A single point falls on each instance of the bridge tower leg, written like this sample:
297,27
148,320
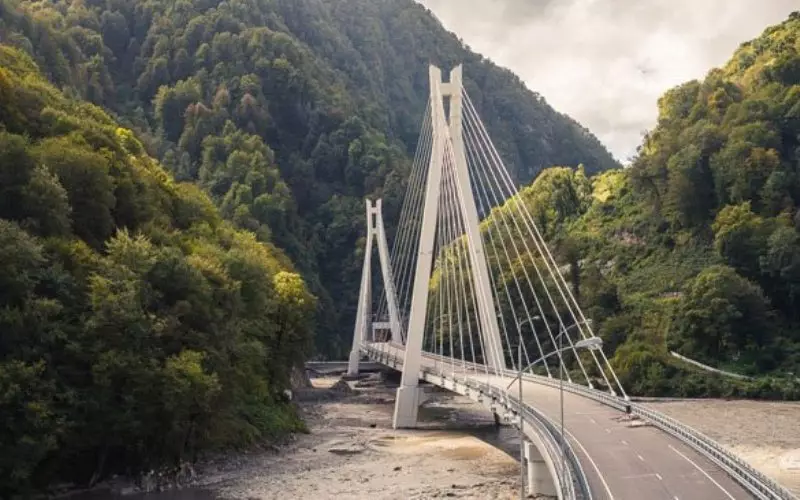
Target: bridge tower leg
445,132
492,343
363,324
386,271
408,397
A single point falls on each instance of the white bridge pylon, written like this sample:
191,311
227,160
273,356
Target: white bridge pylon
447,138
476,295
363,327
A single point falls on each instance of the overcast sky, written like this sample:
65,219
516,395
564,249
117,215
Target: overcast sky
606,62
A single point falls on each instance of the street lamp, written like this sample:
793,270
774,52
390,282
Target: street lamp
562,331
592,344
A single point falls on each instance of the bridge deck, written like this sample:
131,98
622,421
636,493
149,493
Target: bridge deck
621,462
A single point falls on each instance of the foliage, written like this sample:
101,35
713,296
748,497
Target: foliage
694,248
289,112
137,328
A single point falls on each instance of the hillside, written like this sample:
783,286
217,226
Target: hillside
137,326
695,248
288,112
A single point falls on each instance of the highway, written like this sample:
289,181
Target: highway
621,462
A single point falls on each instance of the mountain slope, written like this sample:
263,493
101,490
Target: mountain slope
696,247
138,328
288,112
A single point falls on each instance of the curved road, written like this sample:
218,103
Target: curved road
621,462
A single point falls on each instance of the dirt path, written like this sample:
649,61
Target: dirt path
353,453
765,434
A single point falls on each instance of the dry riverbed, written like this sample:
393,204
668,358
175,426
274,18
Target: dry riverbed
765,434
353,453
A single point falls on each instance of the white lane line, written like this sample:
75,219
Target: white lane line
676,498
704,472
591,460
608,431
639,476
659,476
640,458
624,442
593,420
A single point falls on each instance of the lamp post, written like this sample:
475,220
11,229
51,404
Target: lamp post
591,343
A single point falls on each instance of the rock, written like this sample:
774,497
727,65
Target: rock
341,387
352,449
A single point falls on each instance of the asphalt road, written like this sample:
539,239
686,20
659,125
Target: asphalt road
621,462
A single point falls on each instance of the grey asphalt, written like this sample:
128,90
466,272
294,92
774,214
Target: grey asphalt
622,462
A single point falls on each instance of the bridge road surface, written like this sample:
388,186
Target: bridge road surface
620,462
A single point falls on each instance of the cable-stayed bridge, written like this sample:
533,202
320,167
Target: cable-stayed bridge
474,301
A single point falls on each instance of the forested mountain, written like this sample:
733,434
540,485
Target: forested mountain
288,112
136,325
695,248
149,310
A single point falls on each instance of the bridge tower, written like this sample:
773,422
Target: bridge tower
363,326
447,134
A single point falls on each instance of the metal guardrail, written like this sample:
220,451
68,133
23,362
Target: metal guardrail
707,368
577,486
753,480
756,482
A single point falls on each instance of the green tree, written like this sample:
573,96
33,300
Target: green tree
722,317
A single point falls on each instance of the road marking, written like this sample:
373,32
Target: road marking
704,472
591,460
593,420
608,431
624,442
639,476
659,476
676,498
640,458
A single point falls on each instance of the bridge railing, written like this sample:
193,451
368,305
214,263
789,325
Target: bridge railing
573,478
753,480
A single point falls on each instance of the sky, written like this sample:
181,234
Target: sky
606,62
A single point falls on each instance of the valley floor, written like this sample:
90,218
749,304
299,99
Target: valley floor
765,434
353,453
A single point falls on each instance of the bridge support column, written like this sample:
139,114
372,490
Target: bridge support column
407,403
363,312
363,330
539,481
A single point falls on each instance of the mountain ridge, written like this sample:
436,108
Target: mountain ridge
334,94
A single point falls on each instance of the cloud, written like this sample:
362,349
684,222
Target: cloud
606,62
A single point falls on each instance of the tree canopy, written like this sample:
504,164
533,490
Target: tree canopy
694,247
138,327
289,112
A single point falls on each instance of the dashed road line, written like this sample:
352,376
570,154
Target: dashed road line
701,470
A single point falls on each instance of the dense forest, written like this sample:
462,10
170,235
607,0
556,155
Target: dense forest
695,248
138,326
181,204
168,172
288,112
